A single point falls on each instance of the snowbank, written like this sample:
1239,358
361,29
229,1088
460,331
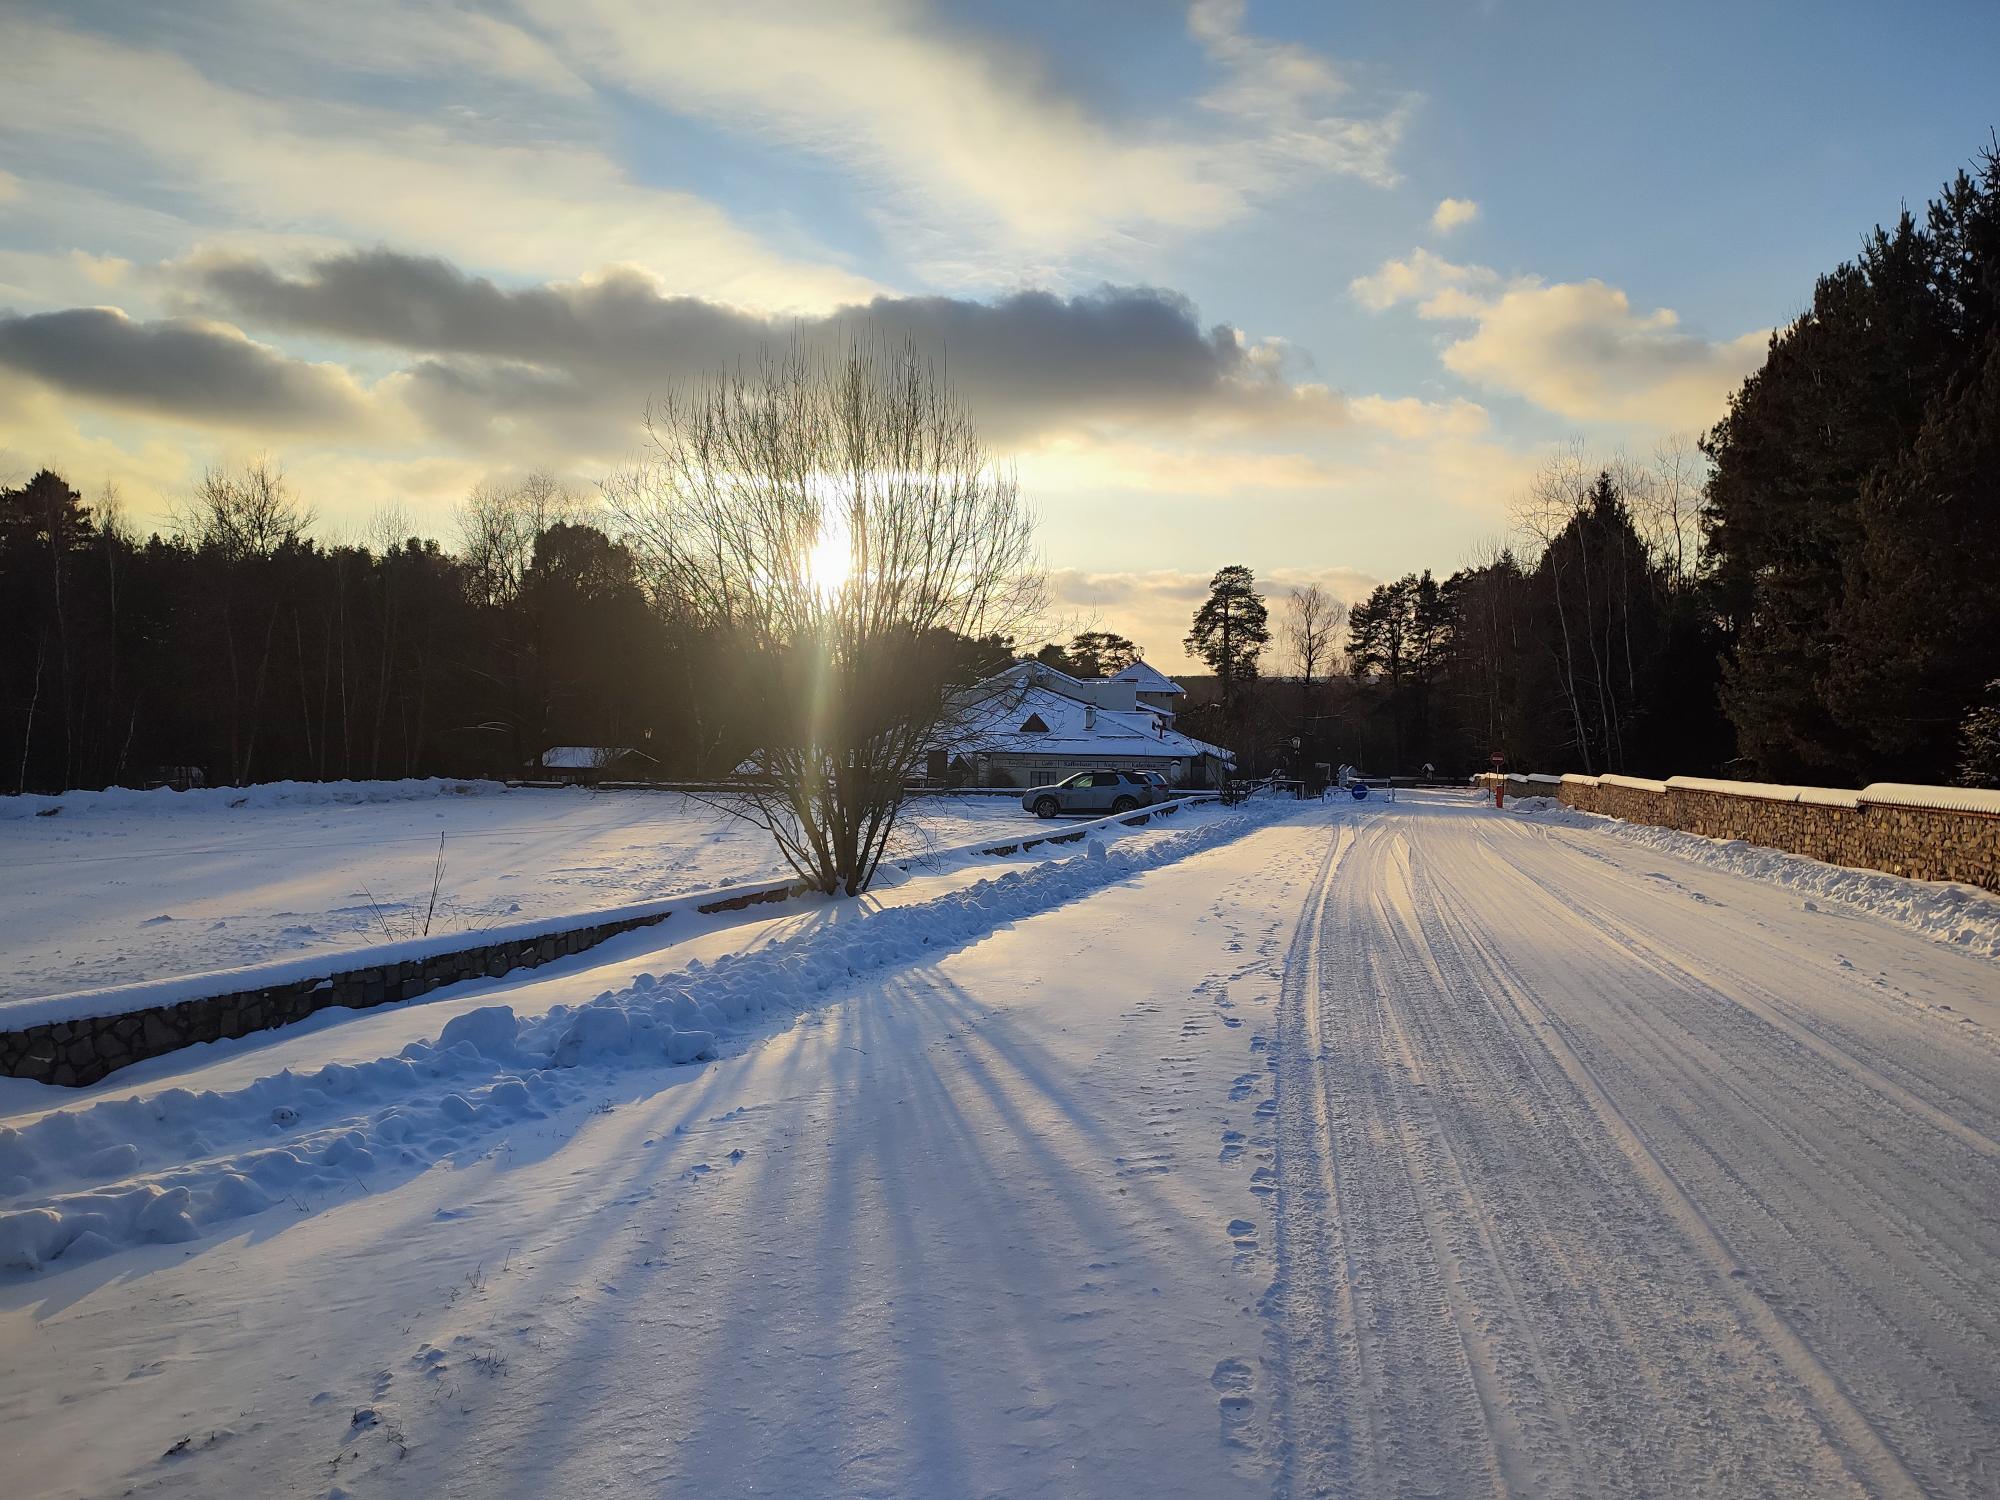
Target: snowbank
163,799
124,999
1957,914
118,895
171,1166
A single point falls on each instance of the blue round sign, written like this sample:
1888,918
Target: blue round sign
1360,790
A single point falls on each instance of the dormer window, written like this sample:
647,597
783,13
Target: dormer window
1033,725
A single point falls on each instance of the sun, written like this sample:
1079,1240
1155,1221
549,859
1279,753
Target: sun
831,561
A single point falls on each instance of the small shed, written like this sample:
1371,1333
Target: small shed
585,765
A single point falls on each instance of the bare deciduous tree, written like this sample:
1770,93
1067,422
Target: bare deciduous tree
246,512
837,517
1313,618
499,524
1668,500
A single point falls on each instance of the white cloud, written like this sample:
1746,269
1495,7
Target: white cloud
1581,350
1453,213
100,270
965,131
1419,276
1411,419
488,192
1088,464
1578,349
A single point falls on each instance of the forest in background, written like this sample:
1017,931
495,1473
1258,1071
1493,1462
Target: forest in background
1811,595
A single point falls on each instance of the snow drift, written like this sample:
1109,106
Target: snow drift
1951,913
174,1165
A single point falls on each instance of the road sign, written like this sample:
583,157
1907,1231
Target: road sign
1498,759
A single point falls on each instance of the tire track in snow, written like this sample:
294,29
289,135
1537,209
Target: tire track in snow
1495,1273
1861,1242
1859,1440
1311,1299
1871,1457
1690,972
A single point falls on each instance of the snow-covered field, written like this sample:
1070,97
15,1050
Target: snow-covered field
1355,1150
119,887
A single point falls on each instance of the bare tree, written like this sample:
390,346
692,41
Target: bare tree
246,512
499,524
1552,501
1667,500
1313,618
837,518
248,516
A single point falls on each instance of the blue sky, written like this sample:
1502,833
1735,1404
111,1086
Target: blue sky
403,248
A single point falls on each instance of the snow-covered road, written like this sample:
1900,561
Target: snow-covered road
1639,1180
1374,1151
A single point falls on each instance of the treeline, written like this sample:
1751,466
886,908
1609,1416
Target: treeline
1814,594
243,647
1597,651
1593,645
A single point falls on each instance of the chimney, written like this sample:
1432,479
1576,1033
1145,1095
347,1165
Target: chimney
1089,717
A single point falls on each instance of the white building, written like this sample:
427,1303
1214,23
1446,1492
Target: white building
1032,724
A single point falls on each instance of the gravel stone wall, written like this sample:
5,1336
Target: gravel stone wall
1919,842
83,1051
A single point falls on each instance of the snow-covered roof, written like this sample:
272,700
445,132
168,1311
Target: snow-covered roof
994,724
1027,670
1146,678
585,757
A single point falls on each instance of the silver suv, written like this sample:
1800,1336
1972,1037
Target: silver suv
1093,792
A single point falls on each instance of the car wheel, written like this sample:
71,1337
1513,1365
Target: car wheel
1123,805
1047,807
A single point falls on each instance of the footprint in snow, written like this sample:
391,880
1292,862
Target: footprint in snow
1234,1381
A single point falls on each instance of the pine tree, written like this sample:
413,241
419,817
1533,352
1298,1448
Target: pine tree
1100,653
1979,742
1850,523
1230,631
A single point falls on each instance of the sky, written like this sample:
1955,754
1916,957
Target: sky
1312,287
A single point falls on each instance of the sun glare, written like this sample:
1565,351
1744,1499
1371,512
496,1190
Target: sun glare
831,560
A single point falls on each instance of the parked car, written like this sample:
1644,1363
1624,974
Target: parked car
1162,790
1092,792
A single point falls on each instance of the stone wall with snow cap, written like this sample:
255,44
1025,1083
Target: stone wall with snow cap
1923,832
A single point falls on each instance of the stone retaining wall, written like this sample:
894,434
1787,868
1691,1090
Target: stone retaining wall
85,1050
1923,843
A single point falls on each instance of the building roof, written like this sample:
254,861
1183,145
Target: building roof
1146,678
995,724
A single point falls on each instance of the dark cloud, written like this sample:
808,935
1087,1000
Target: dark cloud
581,352
181,367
